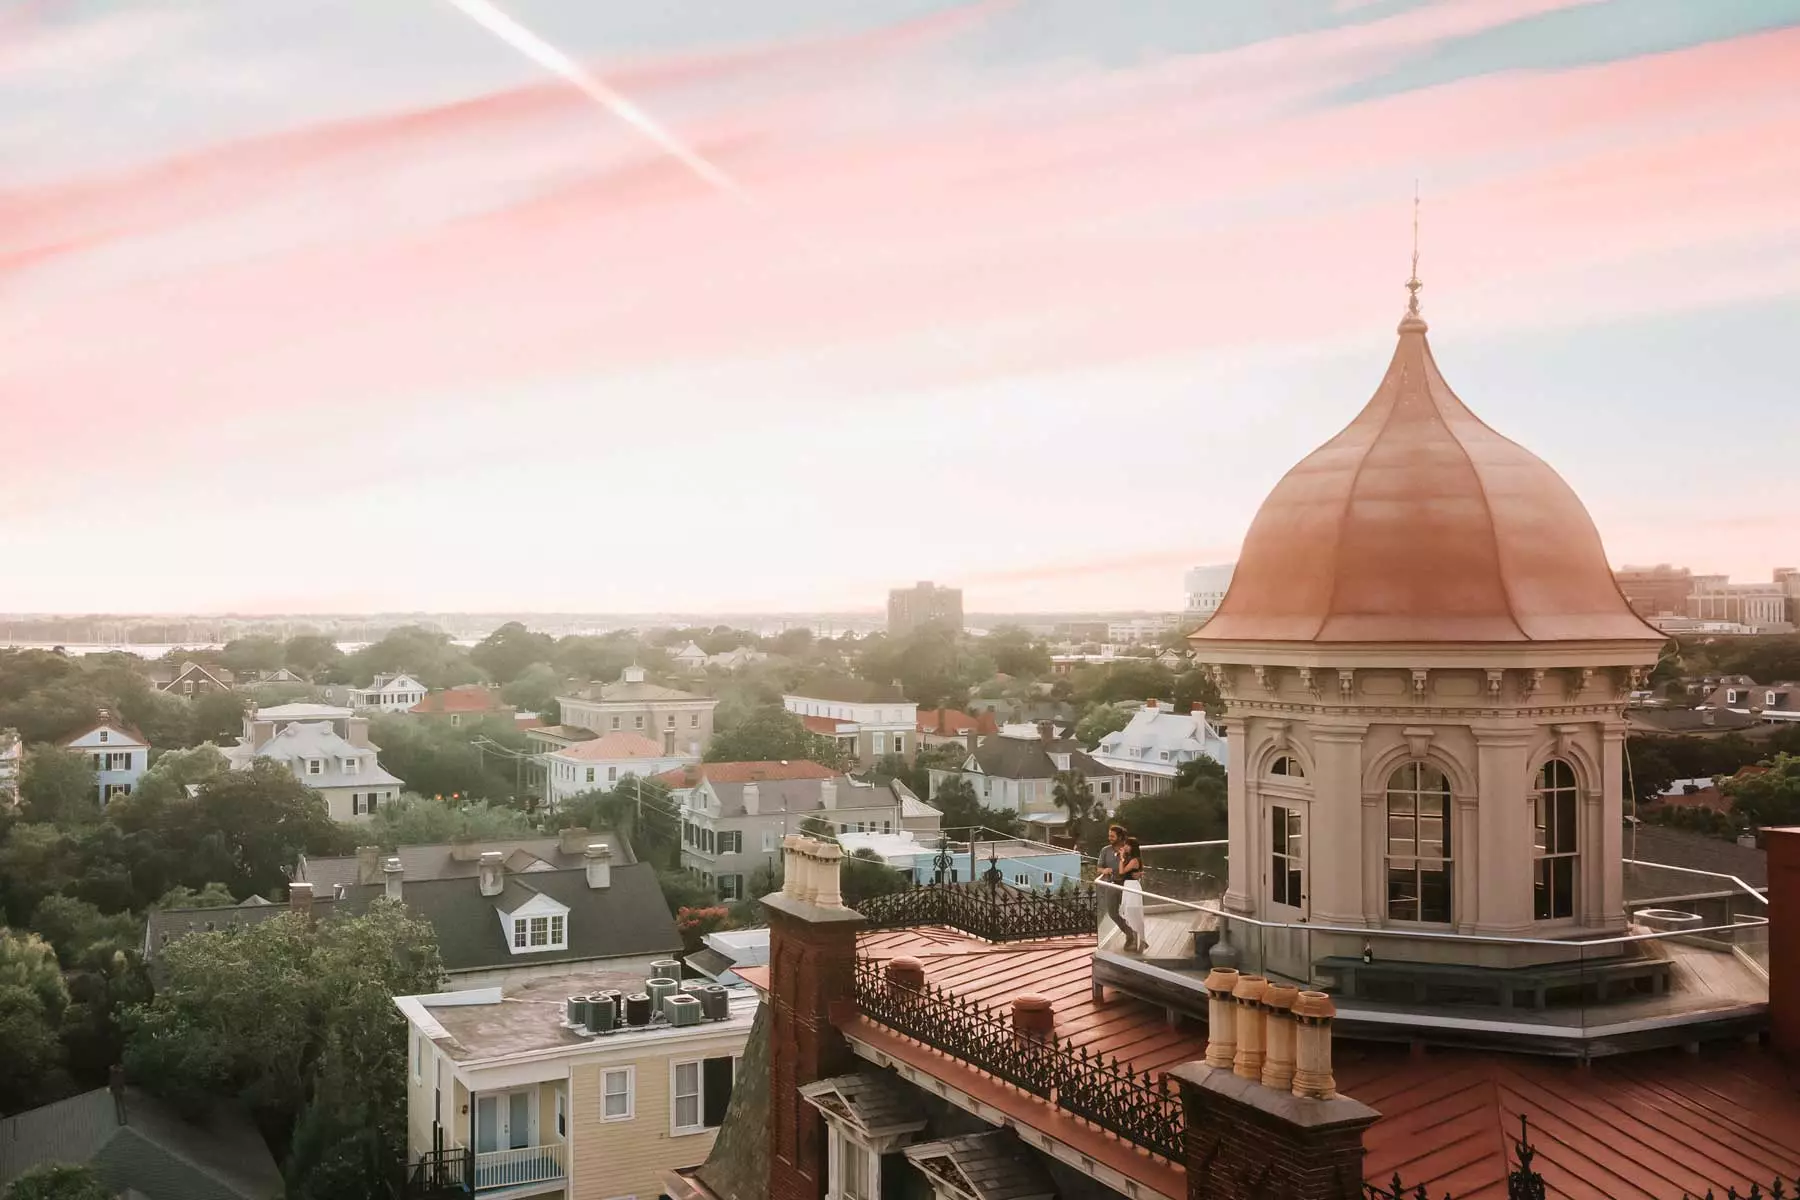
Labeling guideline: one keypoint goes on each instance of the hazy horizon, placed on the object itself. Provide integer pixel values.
(321, 306)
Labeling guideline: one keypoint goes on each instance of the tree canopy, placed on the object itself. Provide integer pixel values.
(772, 734)
(1770, 797)
(59, 786)
(57, 1181)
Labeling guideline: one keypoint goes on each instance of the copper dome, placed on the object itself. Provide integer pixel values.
(1418, 523)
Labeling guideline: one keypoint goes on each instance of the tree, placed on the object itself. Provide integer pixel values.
(215, 716)
(296, 1018)
(254, 655)
(1771, 797)
(417, 821)
(1075, 796)
(1098, 721)
(59, 787)
(773, 734)
(245, 829)
(312, 655)
(213, 895)
(436, 759)
(427, 654)
(693, 924)
(168, 779)
(864, 876)
(58, 1181)
(534, 690)
(963, 811)
(33, 998)
(793, 643)
(506, 653)
(1016, 652)
(1195, 691)
(684, 891)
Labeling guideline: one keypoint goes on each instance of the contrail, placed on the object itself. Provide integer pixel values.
(551, 59)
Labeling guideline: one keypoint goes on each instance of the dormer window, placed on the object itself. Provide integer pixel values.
(540, 933)
(351, 766)
(315, 766)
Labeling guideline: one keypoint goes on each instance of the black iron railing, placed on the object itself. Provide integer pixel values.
(1522, 1181)
(994, 913)
(1143, 1109)
(447, 1171)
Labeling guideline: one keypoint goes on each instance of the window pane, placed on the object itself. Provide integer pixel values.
(1432, 780)
(1278, 828)
(1403, 894)
(1564, 826)
(1434, 893)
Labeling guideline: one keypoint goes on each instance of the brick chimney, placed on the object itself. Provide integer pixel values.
(1046, 731)
(1248, 1138)
(599, 865)
(812, 956)
(1783, 846)
(368, 864)
(464, 849)
(573, 840)
(392, 874)
(300, 897)
(492, 872)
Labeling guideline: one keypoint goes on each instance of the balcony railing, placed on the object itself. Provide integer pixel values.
(992, 912)
(440, 1173)
(513, 1168)
(1143, 1109)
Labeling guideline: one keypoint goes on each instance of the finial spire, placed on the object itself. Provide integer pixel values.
(1412, 284)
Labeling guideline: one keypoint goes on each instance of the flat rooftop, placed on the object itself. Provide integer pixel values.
(488, 1023)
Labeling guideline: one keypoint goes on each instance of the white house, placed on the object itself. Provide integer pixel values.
(389, 693)
(327, 749)
(119, 753)
(867, 720)
(690, 658)
(1149, 750)
(599, 764)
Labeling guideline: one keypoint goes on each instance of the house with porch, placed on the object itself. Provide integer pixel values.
(867, 721)
(598, 764)
(327, 748)
(1155, 743)
(388, 693)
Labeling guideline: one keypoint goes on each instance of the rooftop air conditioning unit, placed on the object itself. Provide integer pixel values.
(681, 1009)
(602, 1014)
(658, 988)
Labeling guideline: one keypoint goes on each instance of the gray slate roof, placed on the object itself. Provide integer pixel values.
(776, 796)
(876, 1102)
(154, 1153)
(317, 740)
(629, 918)
(1019, 758)
(165, 925)
(1697, 852)
(438, 860)
(988, 1166)
(849, 691)
(737, 1168)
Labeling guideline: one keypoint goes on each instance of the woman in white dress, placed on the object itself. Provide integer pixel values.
(1131, 901)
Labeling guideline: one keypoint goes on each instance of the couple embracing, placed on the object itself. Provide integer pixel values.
(1122, 865)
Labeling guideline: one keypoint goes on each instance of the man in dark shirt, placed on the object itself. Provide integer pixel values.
(1109, 874)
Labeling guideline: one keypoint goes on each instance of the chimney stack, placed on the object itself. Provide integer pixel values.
(391, 875)
(973, 739)
(300, 897)
(810, 871)
(464, 849)
(752, 799)
(492, 873)
(828, 793)
(1248, 1137)
(599, 865)
(368, 864)
(1046, 731)
(1783, 846)
(573, 840)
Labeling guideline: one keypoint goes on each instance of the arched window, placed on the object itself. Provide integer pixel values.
(1555, 802)
(1289, 766)
(1418, 844)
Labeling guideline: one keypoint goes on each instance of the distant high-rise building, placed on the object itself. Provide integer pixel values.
(1658, 591)
(923, 604)
(1206, 588)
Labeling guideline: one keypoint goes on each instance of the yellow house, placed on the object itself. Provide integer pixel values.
(508, 1097)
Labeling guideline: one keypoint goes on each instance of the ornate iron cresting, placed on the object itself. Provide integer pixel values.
(998, 914)
(1522, 1182)
(1143, 1109)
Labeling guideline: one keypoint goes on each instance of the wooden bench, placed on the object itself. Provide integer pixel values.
(1502, 984)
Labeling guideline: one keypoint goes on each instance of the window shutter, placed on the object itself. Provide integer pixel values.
(716, 1091)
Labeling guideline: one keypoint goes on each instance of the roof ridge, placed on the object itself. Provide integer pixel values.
(1337, 543)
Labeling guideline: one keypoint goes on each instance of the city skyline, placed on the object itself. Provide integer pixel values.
(340, 309)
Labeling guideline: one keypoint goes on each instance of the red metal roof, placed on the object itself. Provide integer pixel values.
(469, 698)
(747, 772)
(1418, 523)
(825, 725)
(1644, 1126)
(622, 745)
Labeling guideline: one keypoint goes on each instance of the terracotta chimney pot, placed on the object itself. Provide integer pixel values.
(1221, 1018)
(1033, 1016)
(1278, 1036)
(1247, 1063)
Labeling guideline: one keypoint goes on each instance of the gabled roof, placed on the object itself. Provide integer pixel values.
(744, 772)
(1019, 758)
(153, 1151)
(873, 1104)
(440, 861)
(107, 722)
(465, 698)
(167, 677)
(984, 1166)
(611, 747)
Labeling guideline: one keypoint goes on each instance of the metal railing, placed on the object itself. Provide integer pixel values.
(443, 1171)
(992, 912)
(1141, 1108)
(512, 1168)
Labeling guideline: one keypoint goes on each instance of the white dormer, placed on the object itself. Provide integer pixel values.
(538, 925)
(1061, 761)
(314, 766)
(352, 765)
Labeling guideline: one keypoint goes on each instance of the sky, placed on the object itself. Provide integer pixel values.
(331, 305)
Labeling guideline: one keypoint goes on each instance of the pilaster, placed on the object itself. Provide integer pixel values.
(1503, 831)
(1335, 895)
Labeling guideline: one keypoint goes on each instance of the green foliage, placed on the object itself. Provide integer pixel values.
(78, 929)
(1764, 658)
(296, 1019)
(313, 656)
(1655, 761)
(1691, 817)
(1132, 679)
(1771, 797)
(864, 876)
(640, 810)
(168, 779)
(58, 786)
(216, 716)
(435, 758)
(1195, 691)
(1016, 652)
(245, 829)
(793, 643)
(33, 999)
(426, 654)
(251, 655)
(417, 820)
(1075, 796)
(1181, 815)
(510, 650)
(534, 690)
(693, 924)
(963, 810)
(682, 890)
(772, 734)
(213, 895)
(57, 1181)
(935, 665)
(1100, 720)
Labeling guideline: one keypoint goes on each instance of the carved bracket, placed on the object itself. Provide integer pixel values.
(1534, 684)
(1262, 679)
(1565, 734)
(1496, 683)
(1278, 732)
(1420, 680)
(1418, 741)
(1346, 683)
(1306, 680)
